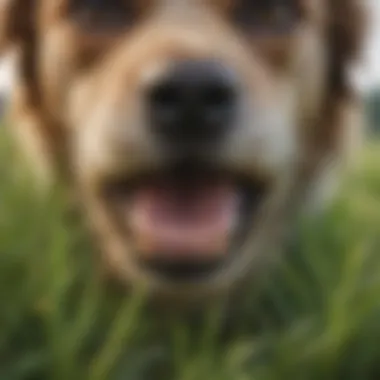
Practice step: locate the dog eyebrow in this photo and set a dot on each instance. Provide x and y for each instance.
(264, 15)
(100, 14)
(98, 4)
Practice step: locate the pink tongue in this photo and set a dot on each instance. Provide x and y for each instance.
(183, 223)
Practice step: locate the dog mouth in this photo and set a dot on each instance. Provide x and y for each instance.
(187, 221)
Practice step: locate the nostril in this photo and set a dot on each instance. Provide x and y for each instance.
(165, 104)
(164, 95)
(218, 103)
(218, 96)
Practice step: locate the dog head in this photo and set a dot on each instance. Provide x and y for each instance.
(188, 123)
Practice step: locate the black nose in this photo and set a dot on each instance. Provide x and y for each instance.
(194, 103)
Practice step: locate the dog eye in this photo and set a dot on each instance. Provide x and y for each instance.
(266, 16)
(101, 14)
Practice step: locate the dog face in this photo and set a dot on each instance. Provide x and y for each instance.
(188, 124)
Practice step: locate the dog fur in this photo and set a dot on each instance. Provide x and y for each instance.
(76, 114)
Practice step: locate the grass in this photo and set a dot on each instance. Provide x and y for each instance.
(317, 317)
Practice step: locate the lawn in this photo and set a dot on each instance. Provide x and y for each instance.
(316, 317)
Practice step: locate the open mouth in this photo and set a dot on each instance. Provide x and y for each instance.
(186, 222)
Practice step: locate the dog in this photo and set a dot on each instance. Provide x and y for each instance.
(193, 131)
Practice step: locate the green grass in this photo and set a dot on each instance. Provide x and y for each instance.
(317, 316)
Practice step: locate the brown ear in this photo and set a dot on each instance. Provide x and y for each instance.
(346, 27)
(16, 22)
(346, 21)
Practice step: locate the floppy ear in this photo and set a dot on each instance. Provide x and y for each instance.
(341, 115)
(16, 22)
(345, 35)
(346, 27)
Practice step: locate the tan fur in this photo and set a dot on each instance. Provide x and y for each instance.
(77, 108)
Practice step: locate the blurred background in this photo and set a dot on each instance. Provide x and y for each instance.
(367, 75)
